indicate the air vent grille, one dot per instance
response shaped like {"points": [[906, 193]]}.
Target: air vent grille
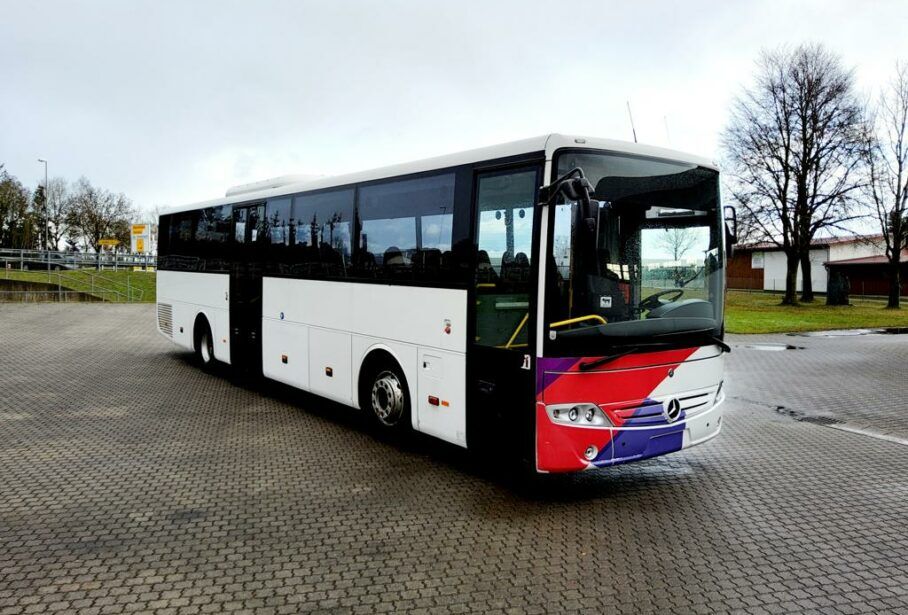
{"points": [[165, 319]]}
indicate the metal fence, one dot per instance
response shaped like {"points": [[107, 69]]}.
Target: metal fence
{"points": [[50, 260], [856, 288], [66, 283]]}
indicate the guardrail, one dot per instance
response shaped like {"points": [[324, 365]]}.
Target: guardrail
{"points": [[54, 261], [856, 288]]}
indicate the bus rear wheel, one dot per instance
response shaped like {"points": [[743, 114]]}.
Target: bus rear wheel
{"points": [[385, 398], [204, 345]]}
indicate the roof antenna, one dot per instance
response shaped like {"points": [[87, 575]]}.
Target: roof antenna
{"points": [[630, 115], [667, 135]]}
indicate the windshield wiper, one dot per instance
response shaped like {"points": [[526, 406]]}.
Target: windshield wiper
{"points": [[715, 340], [588, 365], [704, 335]]}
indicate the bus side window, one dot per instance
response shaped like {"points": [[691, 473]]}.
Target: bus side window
{"points": [[211, 237], [182, 248], [406, 230], [320, 234], [505, 206]]}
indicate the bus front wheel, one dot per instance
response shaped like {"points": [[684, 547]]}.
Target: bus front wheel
{"points": [[385, 398]]}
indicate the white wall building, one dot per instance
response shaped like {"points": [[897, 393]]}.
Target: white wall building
{"points": [[772, 260]]}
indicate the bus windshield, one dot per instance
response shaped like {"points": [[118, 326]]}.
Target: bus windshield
{"points": [[644, 263]]}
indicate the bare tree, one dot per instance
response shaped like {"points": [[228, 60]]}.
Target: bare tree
{"points": [[886, 163], [98, 214], [677, 241], [793, 146], [59, 202]]}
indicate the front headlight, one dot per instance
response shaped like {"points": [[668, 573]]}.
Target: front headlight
{"points": [[579, 415]]}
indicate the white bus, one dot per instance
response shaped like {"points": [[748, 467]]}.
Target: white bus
{"points": [[517, 296]]}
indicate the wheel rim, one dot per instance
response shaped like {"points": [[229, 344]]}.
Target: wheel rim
{"points": [[205, 348], [388, 398]]}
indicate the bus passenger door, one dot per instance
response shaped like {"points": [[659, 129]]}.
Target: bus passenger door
{"points": [[246, 288], [501, 385]]}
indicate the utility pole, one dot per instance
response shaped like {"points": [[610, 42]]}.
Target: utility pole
{"points": [[46, 190]]}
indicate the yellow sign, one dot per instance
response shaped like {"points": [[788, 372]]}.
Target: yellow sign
{"points": [[140, 244], [108, 242], [138, 229]]}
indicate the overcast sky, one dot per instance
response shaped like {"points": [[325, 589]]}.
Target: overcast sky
{"points": [[173, 102]]}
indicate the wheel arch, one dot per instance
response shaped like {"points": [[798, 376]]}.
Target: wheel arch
{"points": [[376, 354], [201, 318]]}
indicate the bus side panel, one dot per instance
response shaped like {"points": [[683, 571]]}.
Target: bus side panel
{"points": [[440, 402], [285, 352], [330, 364], [191, 293], [418, 326]]}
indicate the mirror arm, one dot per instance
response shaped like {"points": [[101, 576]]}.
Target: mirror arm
{"points": [[574, 189]]}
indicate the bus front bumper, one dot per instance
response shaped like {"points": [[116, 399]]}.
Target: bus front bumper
{"points": [[569, 448]]}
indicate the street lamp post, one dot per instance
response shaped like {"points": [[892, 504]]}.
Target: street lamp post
{"points": [[46, 195]]}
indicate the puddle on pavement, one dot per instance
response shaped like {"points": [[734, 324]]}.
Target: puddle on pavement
{"points": [[771, 347], [852, 332]]}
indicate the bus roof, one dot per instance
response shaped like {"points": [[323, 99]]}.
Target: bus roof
{"points": [[545, 143]]}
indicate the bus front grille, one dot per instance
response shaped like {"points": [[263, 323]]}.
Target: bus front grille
{"points": [[165, 319]]}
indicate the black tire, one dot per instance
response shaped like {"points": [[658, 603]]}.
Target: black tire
{"points": [[204, 345], [384, 396]]}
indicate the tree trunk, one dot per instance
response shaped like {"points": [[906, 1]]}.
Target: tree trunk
{"points": [[791, 280], [895, 284], [806, 279]]}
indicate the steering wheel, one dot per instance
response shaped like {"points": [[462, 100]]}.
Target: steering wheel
{"points": [[654, 301]]}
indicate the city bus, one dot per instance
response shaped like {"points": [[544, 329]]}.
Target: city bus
{"points": [[559, 300]]}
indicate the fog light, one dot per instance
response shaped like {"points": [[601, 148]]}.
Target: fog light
{"points": [[573, 413], [590, 452]]}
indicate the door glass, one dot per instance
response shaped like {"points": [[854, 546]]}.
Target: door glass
{"points": [[505, 203]]}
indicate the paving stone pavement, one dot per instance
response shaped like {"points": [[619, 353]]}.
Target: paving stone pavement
{"points": [[857, 381], [131, 481]]}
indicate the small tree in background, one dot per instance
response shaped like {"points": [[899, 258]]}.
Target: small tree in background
{"points": [[886, 162], [677, 242], [18, 227], [97, 214], [59, 202], [39, 207]]}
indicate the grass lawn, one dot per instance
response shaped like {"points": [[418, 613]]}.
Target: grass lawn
{"points": [[759, 312], [109, 285]]}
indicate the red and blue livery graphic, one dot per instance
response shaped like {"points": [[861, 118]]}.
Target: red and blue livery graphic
{"points": [[634, 407]]}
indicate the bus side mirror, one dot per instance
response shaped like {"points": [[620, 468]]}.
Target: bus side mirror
{"points": [[580, 190], [731, 227]]}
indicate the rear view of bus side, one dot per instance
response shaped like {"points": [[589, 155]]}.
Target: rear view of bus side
{"points": [[449, 297]]}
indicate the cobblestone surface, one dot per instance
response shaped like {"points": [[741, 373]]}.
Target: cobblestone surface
{"points": [[131, 481], [859, 381]]}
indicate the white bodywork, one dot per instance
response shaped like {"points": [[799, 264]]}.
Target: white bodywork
{"points": [[311, 326], [189, 294]]}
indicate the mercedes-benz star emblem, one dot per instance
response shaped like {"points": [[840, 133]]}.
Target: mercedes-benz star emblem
{"points": [[672, 410]]}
